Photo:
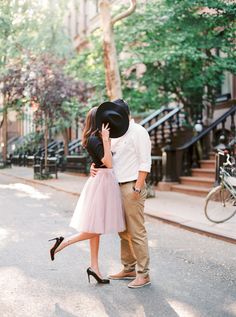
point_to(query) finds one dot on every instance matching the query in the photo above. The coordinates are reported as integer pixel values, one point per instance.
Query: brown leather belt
(127, 182)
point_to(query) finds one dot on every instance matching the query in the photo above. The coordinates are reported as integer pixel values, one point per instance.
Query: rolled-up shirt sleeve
(142, 144)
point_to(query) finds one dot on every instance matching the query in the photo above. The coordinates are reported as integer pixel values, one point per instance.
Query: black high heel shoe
(56, 245)
(97, 278)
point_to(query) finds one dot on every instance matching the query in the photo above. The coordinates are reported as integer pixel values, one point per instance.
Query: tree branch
(123, 15)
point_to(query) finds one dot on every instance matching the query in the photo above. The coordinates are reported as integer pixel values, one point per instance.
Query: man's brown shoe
(139, 282)
(123, 275)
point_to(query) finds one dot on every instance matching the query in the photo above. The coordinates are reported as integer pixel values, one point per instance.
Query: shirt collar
(131, 123)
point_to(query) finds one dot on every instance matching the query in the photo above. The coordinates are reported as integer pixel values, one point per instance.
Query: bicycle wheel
(220, 205)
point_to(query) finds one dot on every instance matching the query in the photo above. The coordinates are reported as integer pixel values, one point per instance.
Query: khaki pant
(134, 243)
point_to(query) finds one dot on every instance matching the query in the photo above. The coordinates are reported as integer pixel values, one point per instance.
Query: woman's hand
(107, 159)
(105, 132)
(93, 170)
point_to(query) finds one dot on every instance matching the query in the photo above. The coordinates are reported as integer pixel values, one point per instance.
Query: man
(131, 164)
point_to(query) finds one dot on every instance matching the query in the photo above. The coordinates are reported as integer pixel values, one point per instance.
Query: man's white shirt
(131, 153)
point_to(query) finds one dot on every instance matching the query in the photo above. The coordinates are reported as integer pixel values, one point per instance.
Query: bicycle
(220, 204)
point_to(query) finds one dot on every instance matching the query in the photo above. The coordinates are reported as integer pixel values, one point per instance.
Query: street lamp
(198, 126)
(1, 146)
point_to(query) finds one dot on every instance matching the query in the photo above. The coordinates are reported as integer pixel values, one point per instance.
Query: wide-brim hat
(114, 114)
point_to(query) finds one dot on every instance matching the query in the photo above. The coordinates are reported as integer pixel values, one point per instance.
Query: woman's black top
(96, 150)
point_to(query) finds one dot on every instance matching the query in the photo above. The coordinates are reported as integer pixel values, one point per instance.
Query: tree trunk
(4, 131)
(66, 141)
(46, 141)
(113, 82)
(5, 135)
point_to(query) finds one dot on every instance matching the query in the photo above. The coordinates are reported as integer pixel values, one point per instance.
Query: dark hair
(90, 127)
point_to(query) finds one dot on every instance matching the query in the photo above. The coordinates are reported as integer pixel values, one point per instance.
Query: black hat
(114, 114)
(122, 103)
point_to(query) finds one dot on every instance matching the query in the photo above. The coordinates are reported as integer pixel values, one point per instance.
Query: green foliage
(69, 111)
(49, 34)
(185, 48)
(178, 42)
(31, 143)
(88, 67)
(28, 26)
(30, 29)
(54, 94)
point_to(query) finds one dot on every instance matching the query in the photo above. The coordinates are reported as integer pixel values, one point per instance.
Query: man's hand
(135, 195)
(93, 170)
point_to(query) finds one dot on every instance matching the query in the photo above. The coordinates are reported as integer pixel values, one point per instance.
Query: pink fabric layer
(99, 208)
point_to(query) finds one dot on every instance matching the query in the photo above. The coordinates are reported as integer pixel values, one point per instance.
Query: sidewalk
(179, 209)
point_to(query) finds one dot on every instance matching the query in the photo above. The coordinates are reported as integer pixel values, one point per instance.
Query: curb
(33, 181)
(148, 214)
(191, 228)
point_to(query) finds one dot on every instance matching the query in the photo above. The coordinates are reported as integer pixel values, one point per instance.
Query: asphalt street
(192, 275)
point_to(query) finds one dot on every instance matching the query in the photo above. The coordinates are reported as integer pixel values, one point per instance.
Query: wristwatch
(136, 190)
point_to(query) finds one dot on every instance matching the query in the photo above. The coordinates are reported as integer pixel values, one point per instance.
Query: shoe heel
(88, 273)
(52, 239)
(97, 278)
(56, 245)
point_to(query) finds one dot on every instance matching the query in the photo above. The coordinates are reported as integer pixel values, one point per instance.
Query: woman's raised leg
(76, 238)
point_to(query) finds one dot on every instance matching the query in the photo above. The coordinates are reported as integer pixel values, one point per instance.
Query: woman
(99, 208)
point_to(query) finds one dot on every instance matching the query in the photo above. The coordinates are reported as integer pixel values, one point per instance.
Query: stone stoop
(201, 181)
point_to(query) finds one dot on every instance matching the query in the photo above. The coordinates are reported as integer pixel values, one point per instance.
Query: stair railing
(179, 161)
(76, 148)
(161, 126)
(155, 116)
(163, 129)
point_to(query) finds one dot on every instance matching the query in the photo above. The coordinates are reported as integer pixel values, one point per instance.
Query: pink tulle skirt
(99, 208)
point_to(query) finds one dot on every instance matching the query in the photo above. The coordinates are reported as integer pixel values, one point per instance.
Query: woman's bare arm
(107, 158)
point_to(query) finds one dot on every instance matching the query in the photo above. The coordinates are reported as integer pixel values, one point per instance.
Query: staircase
(201, 181)
(164, 124)
(189, 156)
(183, 151)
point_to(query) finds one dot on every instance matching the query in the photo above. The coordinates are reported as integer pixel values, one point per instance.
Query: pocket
(144, 192)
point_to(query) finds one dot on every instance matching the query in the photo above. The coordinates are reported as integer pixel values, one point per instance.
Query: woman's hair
(90, 126)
